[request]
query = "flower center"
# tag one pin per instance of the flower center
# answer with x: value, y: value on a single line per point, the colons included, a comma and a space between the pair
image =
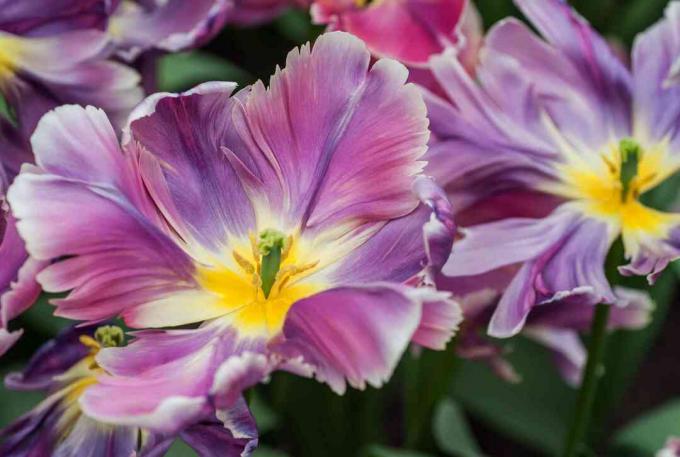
x: 269, y: 274
x: 608, y: 185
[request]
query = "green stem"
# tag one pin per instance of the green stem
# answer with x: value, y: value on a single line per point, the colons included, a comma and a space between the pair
x: 591, y: 376
x: 434, y: 373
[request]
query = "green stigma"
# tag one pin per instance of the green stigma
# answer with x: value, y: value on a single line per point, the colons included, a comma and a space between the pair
x: 630, y: 158
x: 270, y: 243
x: 110, y: 336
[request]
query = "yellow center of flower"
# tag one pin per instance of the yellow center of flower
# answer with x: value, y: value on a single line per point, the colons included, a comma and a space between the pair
x: 268, y: 273
x: 10, y: 51
x: 84, y: 374
x: 608, y: 186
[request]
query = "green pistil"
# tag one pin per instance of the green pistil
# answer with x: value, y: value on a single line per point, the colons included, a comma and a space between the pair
x: 270, y: 244
x: 630, y: 158
x: 110, y: 336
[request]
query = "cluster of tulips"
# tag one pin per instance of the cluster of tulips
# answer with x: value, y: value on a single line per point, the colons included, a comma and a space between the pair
x: 405, y: 183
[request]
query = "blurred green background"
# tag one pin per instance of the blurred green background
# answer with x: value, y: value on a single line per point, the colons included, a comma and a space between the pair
x: 638, y: 404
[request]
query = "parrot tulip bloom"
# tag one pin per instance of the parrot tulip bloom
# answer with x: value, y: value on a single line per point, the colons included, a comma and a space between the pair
x: 286, y: 221
x: 571, y: 142
x: 410, y: 31
x: 66, y: 368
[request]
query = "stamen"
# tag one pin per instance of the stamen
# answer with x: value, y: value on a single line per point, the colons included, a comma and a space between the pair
x: 109, y: 336
x: 270, y: 244
x: 243, y: 263
x: 630, y: 157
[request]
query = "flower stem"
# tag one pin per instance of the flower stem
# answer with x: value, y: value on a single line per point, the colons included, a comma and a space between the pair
x: 434, y: 373
x: 591, y: 376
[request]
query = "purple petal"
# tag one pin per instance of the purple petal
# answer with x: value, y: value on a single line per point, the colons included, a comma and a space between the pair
x: 162, y: 379
x: 191, y: 179
x: 354, y: 335
x: 18, y: 286
x: 111, y: 254
x: 37, y: 18
x: 173, y: 25
x: 573, y: 36
x: 652, y: 255
x: 88, y: 438
x: 440, y: 319
x: 570, y: 268
x: 401, y: 255
x: 52, y: 359
x: 235, y: 435
x: 70, y: 68
x: 350, y: 159
x: 409, y: 31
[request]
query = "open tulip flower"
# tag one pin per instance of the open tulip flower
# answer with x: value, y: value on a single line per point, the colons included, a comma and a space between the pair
x: 561, y: 132
x: 410, y: 31
x: 66, y: 368
x: 287, y: 227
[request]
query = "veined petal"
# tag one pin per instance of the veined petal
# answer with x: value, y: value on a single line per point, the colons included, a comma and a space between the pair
x: 567, y: 268
x: 34, y: 17
x: 655, y: 59
x: 322, y: 165
x: 233, y: 435
x: 162, y: 379
x: 52, y: 359
x: 172, y: 25
x: 352, y: 335
x: 70, y: 67
x: 189, y: 176
x: 441, y: 317
x: 112, y: 255
x: 570, y: 33
x: 406, y: 30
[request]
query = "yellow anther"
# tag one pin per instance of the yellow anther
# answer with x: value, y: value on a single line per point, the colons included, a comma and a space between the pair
x: 89, y: 342
x: 253, y: 245
x: 243, y: 263
x: 286, y: 247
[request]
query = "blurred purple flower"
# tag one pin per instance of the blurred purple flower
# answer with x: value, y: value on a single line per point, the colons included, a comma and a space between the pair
x: 66, y: 368
x: 559, y: 138
x: 290, y: 222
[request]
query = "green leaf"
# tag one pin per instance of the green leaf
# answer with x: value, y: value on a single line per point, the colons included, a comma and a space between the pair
x: 265, y: 417
x: 296, y: 25
x: 41, y: 317
x: 451, y: 431
x: 180, y: 449
x: 178, y: 72
x: 382, y: 451
x: 14, y: 403
x: 533, y: 411
x: 648, y: 434
x: 264, y: 451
